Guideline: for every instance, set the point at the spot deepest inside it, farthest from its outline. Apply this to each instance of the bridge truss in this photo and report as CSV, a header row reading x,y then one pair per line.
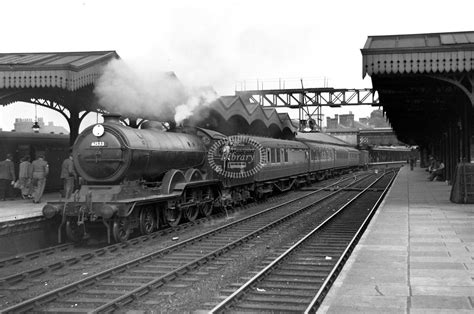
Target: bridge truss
x,y
309,101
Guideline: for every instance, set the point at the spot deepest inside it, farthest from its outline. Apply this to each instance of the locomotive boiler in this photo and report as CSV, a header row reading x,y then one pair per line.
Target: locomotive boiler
x,y
109,153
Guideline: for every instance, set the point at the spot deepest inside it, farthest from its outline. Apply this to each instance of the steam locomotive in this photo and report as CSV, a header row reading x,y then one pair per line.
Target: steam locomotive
x,y
143,179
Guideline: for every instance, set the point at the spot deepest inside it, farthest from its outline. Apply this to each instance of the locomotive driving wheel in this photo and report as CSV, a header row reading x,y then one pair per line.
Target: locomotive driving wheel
x,y
191,213
148,220
74,231
121,229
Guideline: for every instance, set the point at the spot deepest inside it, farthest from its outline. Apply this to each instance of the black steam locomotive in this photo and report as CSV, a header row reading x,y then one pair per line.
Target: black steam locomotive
x,y
143,179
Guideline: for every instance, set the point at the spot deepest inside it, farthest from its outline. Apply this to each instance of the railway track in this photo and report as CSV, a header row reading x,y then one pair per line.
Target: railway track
x,y
29,256
23,258
298,279
74,258
176,260
61,256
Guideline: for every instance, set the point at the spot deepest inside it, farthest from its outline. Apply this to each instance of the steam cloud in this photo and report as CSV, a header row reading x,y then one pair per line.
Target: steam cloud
x,y
198,98
153,95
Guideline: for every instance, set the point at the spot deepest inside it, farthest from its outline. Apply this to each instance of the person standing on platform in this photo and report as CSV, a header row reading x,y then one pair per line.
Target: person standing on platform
x,y
68,175
412,162
24,177
7,177
39,172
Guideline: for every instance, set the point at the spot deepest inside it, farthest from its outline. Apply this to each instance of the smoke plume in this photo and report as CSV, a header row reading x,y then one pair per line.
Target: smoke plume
x,y
199,98
151,95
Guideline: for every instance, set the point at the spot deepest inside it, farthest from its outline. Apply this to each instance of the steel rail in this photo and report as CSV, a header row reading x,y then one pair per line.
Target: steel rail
x,y
18,277
157,282
73,287
228,302
19,258
312,307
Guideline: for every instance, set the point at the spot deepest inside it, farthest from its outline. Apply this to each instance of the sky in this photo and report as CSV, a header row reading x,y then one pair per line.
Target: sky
x,y
224,43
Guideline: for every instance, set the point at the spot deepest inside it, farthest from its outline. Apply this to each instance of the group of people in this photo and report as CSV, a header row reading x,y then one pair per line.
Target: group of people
x,y
32,177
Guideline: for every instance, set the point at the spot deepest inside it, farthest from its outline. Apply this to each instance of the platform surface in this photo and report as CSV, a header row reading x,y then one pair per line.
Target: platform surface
x,y
417,255
18,208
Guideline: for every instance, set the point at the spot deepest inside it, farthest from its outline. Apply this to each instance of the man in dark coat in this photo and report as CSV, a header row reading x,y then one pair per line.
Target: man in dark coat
x,y
7,177
68,175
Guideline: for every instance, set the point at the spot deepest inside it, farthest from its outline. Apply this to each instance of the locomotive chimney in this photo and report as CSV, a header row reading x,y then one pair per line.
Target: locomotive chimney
x,y
111,118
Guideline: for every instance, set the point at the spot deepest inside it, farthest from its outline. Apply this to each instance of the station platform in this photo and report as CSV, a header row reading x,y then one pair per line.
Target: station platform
x,y
18,208
416,256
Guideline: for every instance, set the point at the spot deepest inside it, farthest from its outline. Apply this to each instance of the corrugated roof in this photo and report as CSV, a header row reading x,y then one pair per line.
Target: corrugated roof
x,y
67,70
410,41
40,61
419,53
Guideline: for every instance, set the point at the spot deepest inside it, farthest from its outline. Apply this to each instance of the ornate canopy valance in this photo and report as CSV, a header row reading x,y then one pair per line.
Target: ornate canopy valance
x,y
419,53
66,70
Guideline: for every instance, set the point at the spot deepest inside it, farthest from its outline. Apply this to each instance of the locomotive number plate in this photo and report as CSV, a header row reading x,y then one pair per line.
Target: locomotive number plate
x,y
98,144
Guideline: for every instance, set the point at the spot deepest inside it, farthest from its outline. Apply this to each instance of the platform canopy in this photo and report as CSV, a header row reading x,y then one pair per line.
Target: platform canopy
x,y
425,84
66,70
61,81
439,53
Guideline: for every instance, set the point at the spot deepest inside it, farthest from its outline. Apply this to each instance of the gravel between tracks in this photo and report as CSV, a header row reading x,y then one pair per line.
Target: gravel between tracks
x,y
62,277
199,295
225,274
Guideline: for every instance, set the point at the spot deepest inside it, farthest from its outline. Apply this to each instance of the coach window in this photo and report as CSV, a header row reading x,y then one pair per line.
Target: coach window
x,y
268,155
286,155
278,155
273,155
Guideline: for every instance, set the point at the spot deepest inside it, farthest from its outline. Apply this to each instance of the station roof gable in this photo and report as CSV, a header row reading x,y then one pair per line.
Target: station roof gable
x,y
419,53
66,70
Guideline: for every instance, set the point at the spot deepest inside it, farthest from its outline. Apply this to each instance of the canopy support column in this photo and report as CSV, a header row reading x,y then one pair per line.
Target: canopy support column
x,y
74,123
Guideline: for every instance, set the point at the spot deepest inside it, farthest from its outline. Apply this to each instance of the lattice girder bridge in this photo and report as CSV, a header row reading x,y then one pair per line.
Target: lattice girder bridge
x,y
309,101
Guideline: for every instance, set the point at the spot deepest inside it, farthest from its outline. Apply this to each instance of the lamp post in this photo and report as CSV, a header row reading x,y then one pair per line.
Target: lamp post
x,y
36,126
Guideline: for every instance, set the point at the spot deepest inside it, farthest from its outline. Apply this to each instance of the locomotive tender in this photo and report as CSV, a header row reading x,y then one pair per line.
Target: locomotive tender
x,y
143,179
